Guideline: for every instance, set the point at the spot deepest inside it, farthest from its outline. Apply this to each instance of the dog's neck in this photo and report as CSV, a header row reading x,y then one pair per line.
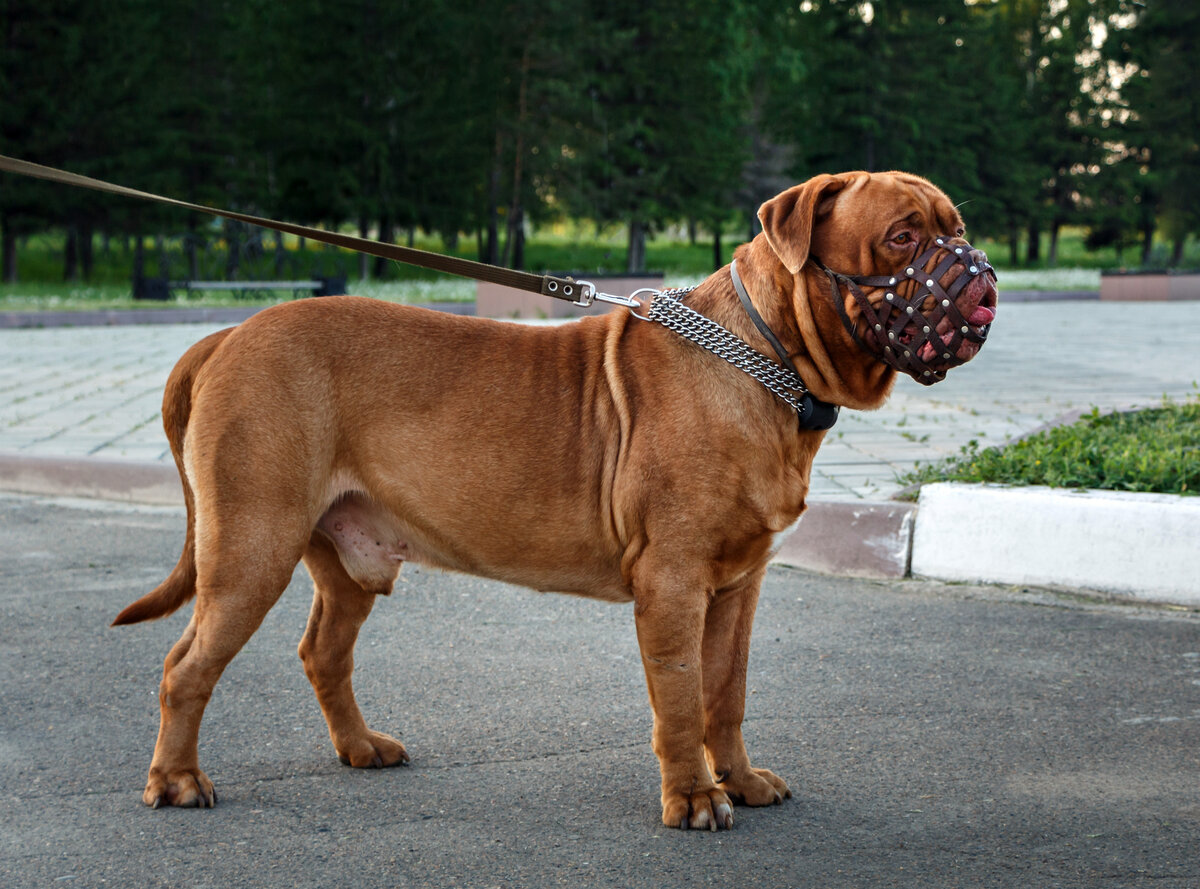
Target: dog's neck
x,y
800,313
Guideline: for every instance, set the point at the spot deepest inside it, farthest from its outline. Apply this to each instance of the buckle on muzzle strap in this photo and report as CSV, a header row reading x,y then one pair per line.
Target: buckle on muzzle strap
x,y
900,329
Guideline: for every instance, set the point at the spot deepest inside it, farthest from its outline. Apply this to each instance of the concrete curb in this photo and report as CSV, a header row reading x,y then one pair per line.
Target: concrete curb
x,y
126,482
854,539
1139,546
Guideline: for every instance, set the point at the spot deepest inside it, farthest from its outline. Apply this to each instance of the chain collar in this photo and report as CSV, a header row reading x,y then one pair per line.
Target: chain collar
x,y
667,309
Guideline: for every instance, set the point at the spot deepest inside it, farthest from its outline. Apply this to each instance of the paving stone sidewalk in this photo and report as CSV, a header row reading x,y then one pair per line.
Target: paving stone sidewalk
x,y
95,391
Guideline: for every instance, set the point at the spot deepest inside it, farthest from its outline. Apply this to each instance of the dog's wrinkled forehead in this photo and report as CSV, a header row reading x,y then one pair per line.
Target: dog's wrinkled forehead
x,y
827,215
879,203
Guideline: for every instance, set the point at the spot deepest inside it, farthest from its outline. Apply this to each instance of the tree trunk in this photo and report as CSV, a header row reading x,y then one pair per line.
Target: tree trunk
x,y
190,244
636,261
1147,242
514,247
387,233
514,243
8,252
71,255
1052,255
716,256
164,262
278,255
1033,252
364,232
139,257
1014,246
1177,252
233,251
86,251
753,226
491,248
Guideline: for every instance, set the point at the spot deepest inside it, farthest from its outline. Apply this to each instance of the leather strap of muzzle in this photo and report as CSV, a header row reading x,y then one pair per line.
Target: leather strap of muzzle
x,y
896,315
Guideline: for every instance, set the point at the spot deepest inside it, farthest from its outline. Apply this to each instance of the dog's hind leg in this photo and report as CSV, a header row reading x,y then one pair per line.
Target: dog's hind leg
x,y
230,604
340,605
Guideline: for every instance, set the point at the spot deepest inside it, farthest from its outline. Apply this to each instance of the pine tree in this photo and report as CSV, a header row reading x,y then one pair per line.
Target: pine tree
x,y
1159,44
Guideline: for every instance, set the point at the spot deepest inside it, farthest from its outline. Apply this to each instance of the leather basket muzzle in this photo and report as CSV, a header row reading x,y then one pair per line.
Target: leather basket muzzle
x,y
923,333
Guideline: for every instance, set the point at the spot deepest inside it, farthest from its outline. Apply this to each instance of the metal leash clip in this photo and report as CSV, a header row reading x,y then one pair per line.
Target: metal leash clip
x,y
588,295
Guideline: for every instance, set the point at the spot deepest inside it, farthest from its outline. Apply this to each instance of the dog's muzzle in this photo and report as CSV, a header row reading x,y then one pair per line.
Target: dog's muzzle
x,y
931,317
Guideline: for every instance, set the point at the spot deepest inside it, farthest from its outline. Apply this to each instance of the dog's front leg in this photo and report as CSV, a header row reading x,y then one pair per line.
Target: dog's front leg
x,y
726,651
670,628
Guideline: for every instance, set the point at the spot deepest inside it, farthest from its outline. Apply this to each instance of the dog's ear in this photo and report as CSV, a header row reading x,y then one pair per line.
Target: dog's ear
x,y
788,218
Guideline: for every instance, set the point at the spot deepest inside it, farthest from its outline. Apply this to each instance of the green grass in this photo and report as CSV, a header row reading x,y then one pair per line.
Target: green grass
x,y
1152,450
41,287
1073,253
574,247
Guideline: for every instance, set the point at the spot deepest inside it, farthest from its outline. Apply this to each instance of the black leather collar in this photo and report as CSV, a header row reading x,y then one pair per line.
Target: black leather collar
x,y
814,414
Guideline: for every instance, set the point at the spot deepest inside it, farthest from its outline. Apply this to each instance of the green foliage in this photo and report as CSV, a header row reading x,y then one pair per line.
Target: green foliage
x,y
1161,137
449,118
1156,450
683,263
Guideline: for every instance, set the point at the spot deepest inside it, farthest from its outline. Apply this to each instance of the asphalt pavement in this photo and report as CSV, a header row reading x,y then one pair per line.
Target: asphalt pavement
x,y
933,735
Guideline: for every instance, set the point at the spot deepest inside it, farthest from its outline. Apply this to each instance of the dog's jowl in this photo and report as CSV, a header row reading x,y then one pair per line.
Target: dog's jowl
x,y
608,457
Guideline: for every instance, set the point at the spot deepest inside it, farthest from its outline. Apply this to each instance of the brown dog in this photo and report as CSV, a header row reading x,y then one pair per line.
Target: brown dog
x,y
608,458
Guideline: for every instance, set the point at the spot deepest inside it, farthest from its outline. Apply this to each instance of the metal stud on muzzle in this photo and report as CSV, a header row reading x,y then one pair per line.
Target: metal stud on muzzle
x,y
903,332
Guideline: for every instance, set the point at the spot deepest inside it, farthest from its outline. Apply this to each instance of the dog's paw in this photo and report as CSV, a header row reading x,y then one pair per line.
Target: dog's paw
x,y
373,751
186,788
757,787
700,810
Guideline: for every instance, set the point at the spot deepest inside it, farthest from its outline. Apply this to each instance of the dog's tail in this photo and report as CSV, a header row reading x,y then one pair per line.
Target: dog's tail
x,y
180,585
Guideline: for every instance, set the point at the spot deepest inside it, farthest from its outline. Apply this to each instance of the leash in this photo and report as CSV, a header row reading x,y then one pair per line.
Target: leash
x,y
581,293
666,307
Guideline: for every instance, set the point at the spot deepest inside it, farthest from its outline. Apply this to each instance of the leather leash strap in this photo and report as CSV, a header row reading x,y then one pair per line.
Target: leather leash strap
x,y
579,292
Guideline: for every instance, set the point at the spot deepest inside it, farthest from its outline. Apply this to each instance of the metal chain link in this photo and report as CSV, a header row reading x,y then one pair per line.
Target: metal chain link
x,y
668,310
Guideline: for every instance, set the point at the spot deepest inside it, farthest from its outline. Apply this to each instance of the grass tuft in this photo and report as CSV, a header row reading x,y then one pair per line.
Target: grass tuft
x,y
1153,450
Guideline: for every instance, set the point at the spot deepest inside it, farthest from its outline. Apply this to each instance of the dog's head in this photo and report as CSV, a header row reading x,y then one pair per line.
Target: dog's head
x,y
887,251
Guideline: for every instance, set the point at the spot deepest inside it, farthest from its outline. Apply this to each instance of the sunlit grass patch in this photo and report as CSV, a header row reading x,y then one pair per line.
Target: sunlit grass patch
x,y
1152,450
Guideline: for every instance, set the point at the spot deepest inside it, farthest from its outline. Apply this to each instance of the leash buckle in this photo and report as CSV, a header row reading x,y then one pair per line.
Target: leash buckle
x,y
588,295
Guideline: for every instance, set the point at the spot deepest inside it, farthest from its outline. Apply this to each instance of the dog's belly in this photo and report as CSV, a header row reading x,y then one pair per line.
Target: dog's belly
x,y
373,543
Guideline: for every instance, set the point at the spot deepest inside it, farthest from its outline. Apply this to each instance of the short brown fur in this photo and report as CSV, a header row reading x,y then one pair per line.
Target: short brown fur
x,y
606,458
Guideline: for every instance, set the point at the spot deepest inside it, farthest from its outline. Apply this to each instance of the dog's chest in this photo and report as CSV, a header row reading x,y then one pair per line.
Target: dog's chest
x,y
779,537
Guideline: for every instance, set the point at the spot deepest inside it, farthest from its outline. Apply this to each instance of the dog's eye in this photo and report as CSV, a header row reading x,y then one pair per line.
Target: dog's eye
x,y
902,238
